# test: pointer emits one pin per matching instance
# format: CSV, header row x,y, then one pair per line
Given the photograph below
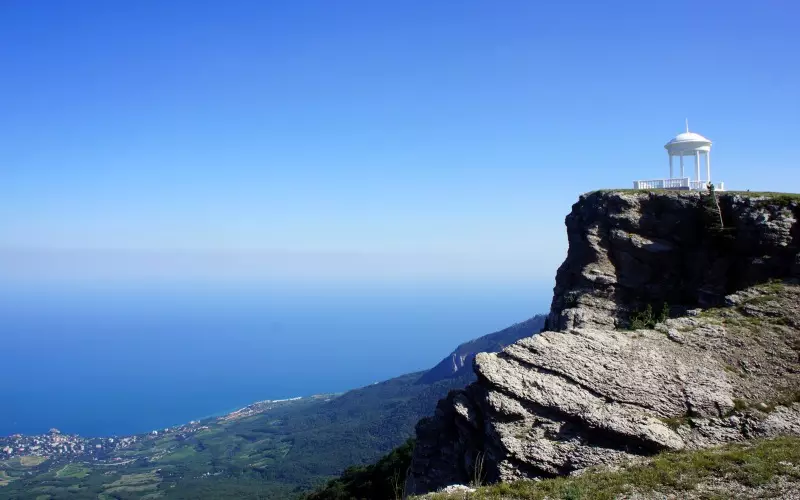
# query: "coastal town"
x,y
55,444
114,464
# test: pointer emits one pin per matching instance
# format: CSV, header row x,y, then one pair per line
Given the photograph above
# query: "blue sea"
x,y
118,359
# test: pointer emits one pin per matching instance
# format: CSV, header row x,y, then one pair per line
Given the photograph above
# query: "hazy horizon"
x,y
191,193
389,140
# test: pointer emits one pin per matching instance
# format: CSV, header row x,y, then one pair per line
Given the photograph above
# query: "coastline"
x,y
208,417
54,442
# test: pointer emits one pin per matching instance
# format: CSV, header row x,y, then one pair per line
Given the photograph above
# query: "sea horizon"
x,y
112,359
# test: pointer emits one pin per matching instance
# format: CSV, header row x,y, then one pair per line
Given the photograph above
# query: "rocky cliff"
x,y
674,325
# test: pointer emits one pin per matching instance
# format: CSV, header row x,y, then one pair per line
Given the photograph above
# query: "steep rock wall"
x,y
630,250
587,392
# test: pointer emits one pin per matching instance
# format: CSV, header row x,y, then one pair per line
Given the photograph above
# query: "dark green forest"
x,y
383,480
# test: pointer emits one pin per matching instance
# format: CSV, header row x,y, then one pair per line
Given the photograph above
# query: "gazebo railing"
x,y
676,183
682,183
679,183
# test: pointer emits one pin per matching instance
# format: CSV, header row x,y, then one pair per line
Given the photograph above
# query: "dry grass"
x,y
750,465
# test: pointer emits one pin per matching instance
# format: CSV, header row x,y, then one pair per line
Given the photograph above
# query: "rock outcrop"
x,y
630,250
722,364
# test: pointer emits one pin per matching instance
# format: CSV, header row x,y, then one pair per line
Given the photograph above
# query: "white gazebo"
x,y
686,144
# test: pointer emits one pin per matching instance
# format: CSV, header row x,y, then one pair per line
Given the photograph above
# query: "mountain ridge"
x,y
461,357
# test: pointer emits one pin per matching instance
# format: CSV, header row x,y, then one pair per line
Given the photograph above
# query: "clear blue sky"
x,y
387,138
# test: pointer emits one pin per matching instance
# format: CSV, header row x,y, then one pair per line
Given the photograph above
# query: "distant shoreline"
x,y
254,408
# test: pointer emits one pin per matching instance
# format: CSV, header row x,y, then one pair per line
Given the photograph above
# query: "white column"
x,y
708,164
682,176
670,165
697,164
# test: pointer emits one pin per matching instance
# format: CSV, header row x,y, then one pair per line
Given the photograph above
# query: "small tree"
x,y
647,318
712,205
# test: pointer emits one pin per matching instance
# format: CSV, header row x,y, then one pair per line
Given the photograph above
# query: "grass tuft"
x,y
675,422
750,465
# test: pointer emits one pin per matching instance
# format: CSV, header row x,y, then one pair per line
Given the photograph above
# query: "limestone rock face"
x,y
588,392
627,250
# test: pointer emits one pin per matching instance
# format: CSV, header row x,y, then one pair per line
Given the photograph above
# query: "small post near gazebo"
x,y
686,145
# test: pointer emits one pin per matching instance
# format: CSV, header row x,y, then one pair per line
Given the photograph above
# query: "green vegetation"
x,y
762,299
133,483
739,404
741,314
186,453
712,212
280,453
647,319
773,287
749,465
786,397
383,480
571,300
675,422
478,472
774,196
769,291
31,461
281,450
73,470
5,478
779,199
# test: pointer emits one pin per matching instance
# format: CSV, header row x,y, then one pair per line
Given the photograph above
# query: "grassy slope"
x,y
734,468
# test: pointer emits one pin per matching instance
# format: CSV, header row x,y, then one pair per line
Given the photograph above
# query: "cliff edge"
x,y
674,326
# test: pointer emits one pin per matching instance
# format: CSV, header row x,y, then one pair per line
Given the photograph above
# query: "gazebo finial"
x,y
687,125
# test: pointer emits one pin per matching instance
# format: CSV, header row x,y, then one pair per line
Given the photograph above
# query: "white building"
x,y
691,145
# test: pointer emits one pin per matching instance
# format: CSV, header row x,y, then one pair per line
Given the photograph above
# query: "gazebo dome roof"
x,y
687,143
689,137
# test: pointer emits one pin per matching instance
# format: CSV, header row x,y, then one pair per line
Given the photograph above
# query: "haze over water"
x,y
245,163
124,358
